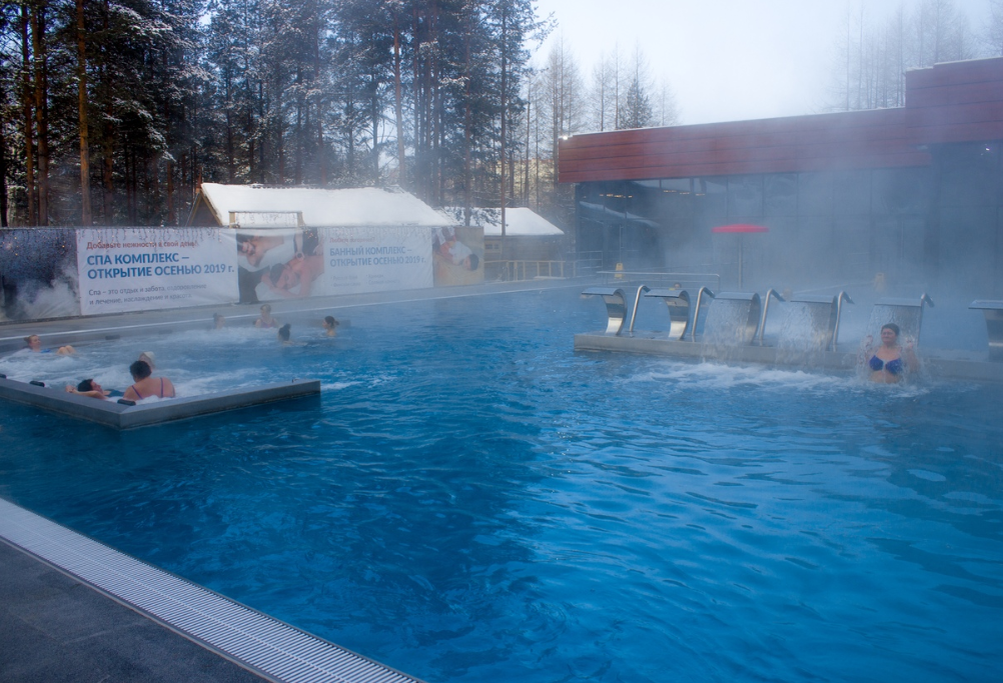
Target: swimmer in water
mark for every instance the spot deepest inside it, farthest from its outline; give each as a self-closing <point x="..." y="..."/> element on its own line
<point x="890" y="361"/>
<point x="331" y="326"/>
<point x="89" y="387"/>
<point x="285" y="335"/>
<point x="145" y="385"/>
<point x="35" y="345"/>
<point x="266" y="321"/>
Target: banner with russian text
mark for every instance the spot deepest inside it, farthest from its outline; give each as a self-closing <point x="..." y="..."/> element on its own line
<point x="375" y="259"/>
<point x="140" y="269"/>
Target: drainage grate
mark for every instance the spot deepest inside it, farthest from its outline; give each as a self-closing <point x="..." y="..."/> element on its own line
<point x="258" y="641"/>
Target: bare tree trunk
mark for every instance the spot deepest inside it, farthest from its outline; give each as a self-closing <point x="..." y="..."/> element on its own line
<point x="467" y="177"/>
<point x="230" y="162"/>
<point x="525" y="170"/>
<point x="398" y="107"/>
<point x="172" y="215"/>
<point x="436" y="115"/>
<point x="85" y="163"/>
<point x="322" y="156"/>
<point x="298" y="135"/>
<point x="41" y="109"/>
<point x="3" y="178"/>
<point x="29" y="130"/>
<point x="108" y="163"/>
<point x="504" y="108"/>
<point x="280" y="137"/>
<point x="418" y="128"/>
<point x="375" y="114"/>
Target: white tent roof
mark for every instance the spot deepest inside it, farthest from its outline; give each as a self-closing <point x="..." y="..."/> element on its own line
<point x="519" y="222"/>
<point x="365" y="206"/>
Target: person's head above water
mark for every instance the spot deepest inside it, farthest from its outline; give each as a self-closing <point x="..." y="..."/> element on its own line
<point x="218" y="320"/>
<point x="266" y="309"/>
<point x="284" y="332"/>
<point x="88" y="385"/>
<point x="140" y="370"/>
<point x="35" y="344"/>
<point x="889" y="333"/>
<point x="329" y="321"/>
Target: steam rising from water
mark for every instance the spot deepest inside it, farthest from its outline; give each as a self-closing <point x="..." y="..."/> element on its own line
<point x="678" y="377"/>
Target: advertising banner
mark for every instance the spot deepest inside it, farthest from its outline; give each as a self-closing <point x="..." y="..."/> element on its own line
<point x="359" y="260"/>
<point x="136" y="269"/>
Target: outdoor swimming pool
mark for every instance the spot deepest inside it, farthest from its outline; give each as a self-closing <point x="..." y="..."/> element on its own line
<point x="472" y="501"/>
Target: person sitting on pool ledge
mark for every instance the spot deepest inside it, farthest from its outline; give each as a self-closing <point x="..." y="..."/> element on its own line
<point x="90" y="388"/>
<point x="35" y="345"/>
<point x="330" y="326"/>
<point x="145" y="386"/>
<point x="266" y="320"/>
<point x="889" y="362"/>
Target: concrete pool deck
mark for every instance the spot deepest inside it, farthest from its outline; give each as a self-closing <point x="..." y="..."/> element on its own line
<point x="53" y="627"/>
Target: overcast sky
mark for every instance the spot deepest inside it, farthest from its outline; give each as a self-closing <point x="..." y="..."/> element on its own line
<point x="725" y="60"/>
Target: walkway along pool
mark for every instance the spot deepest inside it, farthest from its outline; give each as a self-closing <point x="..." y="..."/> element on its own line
<point x="473" y="501"/>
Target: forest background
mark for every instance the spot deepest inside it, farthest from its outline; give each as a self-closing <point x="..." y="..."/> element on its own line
<point x="112" y="112"/>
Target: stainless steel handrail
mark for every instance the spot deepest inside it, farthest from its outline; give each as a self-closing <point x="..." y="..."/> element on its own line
<point x="766" y="307"/>
<point x="839" y="311"/>
<point x="633" y="315"/>
<point x="682" y="278"/>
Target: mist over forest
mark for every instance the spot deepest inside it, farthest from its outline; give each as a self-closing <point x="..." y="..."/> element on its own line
<point x="112" y="112"/>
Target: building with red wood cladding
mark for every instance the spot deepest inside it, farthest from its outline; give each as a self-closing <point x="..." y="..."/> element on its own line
<point x="915" y="193"/>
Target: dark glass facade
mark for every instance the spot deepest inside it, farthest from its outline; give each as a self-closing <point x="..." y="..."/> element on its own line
<point x="941" y="223"/>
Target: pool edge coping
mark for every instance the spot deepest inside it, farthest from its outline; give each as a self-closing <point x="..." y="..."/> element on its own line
<point x="45" y="548"/>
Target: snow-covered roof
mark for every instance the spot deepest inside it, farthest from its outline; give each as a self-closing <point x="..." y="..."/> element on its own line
<point x="519" y="222"/>
<point x="364" y="206"/>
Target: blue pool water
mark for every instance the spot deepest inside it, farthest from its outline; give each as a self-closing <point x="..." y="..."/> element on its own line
<point x="471" y="500"/>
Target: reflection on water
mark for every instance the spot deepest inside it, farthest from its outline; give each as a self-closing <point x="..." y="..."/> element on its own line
<point x="474" y="501"/>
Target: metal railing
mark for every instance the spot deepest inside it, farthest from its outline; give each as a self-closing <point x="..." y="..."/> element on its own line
<point x="532" y="269"/>
<point x="684" y="280"/>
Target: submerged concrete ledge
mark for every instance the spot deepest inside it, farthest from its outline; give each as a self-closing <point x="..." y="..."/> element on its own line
<point x="120" y="416"/>
<point x="933" y="366"/>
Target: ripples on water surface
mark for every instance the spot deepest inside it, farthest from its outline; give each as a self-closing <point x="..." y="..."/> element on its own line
<point x="472" y="501"/>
